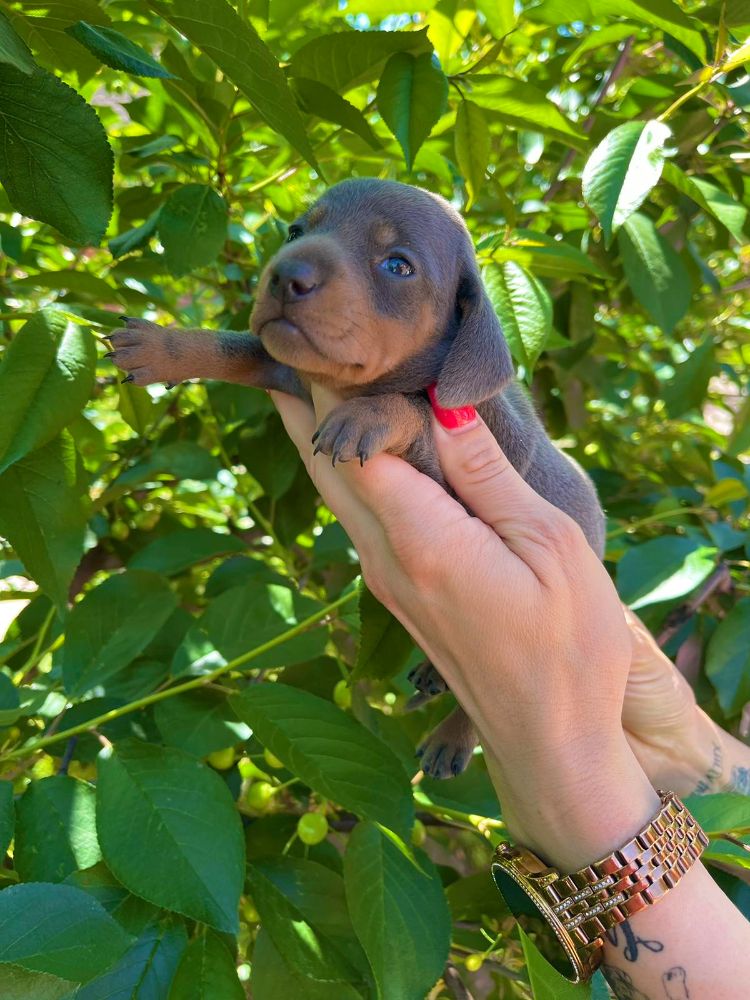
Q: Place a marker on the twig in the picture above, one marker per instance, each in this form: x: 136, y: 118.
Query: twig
x: 614, y: 73
x: 455, y: 984
x: 720, y: 580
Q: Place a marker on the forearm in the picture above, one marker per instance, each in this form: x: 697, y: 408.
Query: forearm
x: 580, y: 810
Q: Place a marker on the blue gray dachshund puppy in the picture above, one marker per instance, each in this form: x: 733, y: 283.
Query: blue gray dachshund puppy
x: 377, y: 295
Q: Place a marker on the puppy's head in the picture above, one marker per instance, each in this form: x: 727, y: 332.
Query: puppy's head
x: 380, y: 278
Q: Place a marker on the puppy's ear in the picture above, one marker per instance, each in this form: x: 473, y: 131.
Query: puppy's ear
x: 478, y: 365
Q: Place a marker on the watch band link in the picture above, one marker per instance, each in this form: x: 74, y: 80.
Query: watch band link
x: 594, y: 899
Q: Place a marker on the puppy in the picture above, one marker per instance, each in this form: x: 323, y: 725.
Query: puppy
x: 377, y: 295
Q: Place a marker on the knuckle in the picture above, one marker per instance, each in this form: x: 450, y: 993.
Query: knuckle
x: 563, y: 533
x: 484, y: 462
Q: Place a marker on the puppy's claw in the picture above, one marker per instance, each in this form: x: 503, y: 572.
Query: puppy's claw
x: 110, y: 354
x: 128, y: 378
x: 315, y: 436
x: 362, y: 457
x: 316, y: 449
x: 169, y: 385
x: 128, y: 319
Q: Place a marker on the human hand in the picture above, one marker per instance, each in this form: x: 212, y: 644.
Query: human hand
x: 519, y: 616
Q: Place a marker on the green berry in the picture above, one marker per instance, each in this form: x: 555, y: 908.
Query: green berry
x: 249, y: 769
x: 312, y: 828
x: 259, y: 795
x: 222, y: 760
x: 342, y: 694
x: 249, y: 914
x: 474, y: 963
x: 272, y: 760
x: 418, y: 833
x: 119, y: 530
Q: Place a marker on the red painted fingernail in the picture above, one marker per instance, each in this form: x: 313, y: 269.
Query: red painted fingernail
x: 451, y: 419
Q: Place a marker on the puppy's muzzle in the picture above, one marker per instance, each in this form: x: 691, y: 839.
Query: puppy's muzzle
x: 292, y: 280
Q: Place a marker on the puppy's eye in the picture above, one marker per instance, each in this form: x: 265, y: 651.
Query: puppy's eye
x: 294, y: 233
x: 398, y: 265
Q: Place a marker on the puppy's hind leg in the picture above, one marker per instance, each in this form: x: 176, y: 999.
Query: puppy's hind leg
x: 447, y: 750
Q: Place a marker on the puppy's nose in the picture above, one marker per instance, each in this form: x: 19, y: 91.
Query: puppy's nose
x: 292, y: 280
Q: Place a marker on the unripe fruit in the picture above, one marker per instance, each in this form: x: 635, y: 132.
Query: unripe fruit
x: 45, y: 767
x: 418, y: 833
x: 249, y: 769
x: 222, y: 760
x: 312, y: 828
x: 342, y: 694
x: 145, y: 520
x: 259, y: 795
x: 13, y: 733
x: 474, y: 963
x: 249, y: 913
x: 119, y: 530
x: 272, y: 760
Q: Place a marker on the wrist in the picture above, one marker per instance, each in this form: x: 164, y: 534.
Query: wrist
x: 583, y: 808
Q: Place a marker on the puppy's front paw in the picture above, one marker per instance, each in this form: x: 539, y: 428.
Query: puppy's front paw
x: 427, y: 680
x: 142, y: 349
x: 447, y: 750
x: 358, y: 428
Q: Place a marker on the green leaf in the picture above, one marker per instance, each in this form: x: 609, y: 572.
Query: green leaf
x: 116, y: 50
x: 249, y: 616
x: 546, y: 983
x: 522, y: 105
x: 686, y: 390
x: 400, y: 915
x: 232, y: 42
x: 472, y: 144
x: 111, y: 625
x: 183, y: 548
x: 712, y: 199
x: 524, y: 309
x: 317, y: 99
x: 556, y: 12
x: 728, y: 658
x: 20, y: 984
x: 654, y: 271
x: 190, y: 855
x: 726, y: 491
x: 664, y: 14
x: 146, y: 970
x: 412, y: 95
x: 192, y: 227
x: 303, y: 907
x: 273, y: 977
x: 134, y: 239
x: 539, y: 253
x: 10, y: 702
x: 55, y: 829
x: 55, y: 161
x: 385, y: 645
x: 500, y: 15
x: 347, y: 58
x: 622, y: 170
x: 720, y: 813
x: 46, y: 376
x: 663, y: 569
x: 206, y: 972
x: 7, y: 816
x: 330, y: 752
x: 59, y: 930
x: 199, y: 722
x: 13, y: 50
x: 597, y: 39
x: 42, y: 516
x: 180, y: 460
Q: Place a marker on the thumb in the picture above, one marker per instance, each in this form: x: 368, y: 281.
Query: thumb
x: 482, y: 477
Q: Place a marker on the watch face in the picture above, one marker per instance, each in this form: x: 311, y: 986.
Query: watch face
x: 534, y: 923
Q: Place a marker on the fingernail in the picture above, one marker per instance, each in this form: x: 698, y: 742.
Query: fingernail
x: 451, y: 419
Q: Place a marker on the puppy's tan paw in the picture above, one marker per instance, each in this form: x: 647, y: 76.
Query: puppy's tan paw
x: 447, y: 750
x: 144, y: 351
x: 358, y: 428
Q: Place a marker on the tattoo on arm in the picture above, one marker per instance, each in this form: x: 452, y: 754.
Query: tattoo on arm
x: 740, y: 780
x: 621, y: 983
x: 713, y: 774
x: 623, y: 933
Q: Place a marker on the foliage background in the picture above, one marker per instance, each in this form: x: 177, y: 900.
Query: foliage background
x: 175, y: 559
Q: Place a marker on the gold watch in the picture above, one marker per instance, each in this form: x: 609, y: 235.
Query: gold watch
x: 568, y: 915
